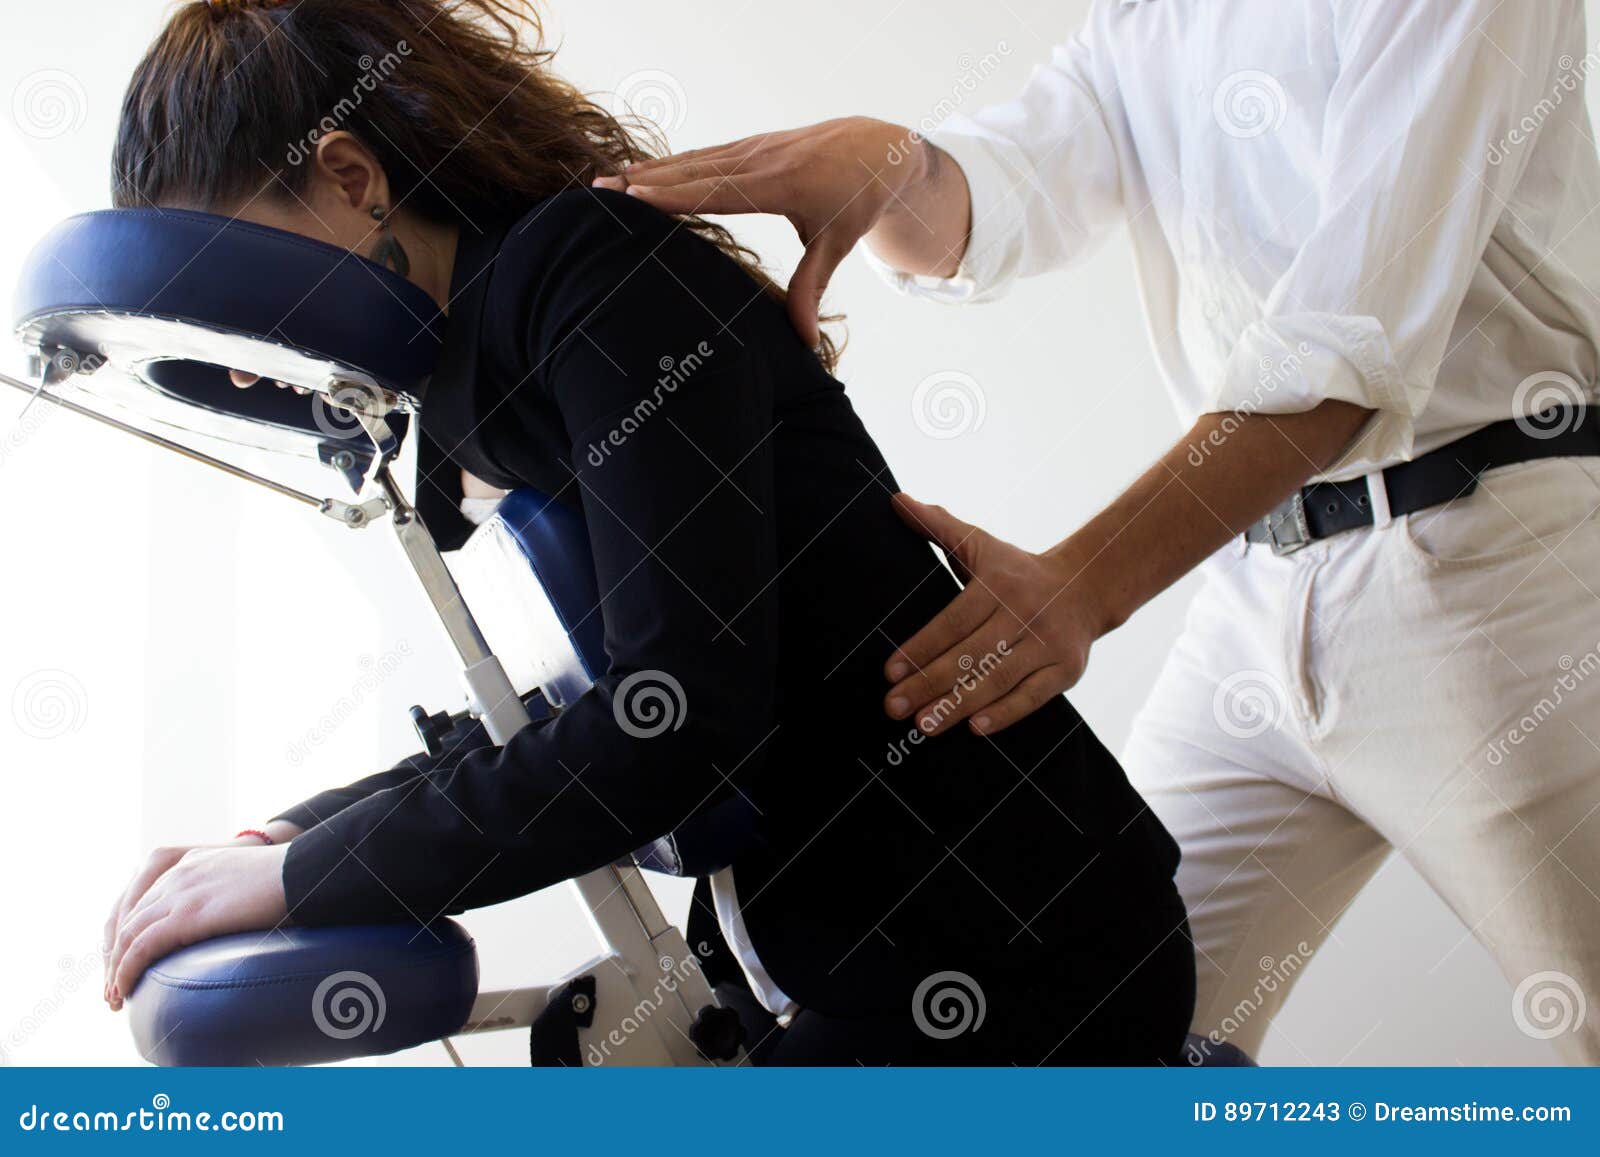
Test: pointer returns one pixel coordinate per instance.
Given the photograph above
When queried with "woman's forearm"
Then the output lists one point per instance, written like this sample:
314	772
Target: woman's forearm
1179	512
925	227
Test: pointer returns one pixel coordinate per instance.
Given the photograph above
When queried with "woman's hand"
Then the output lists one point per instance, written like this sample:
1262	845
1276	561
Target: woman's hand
191	895
1017	636
245	380
834	182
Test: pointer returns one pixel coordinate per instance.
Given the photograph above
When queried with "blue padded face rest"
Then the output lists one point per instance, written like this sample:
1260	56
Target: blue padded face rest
305	995
137	285
555	543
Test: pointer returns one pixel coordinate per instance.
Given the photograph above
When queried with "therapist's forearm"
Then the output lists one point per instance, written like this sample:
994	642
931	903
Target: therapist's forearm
925	227
1178	513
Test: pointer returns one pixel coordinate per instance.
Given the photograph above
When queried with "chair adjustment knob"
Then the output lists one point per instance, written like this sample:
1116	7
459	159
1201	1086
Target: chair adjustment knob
717	1032
431	729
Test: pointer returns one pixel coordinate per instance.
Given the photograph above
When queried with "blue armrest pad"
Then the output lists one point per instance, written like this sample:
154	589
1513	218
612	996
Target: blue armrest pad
299	996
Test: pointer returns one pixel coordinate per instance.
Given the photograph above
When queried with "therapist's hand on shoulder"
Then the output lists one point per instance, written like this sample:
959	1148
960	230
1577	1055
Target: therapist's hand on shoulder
1016	637
834	181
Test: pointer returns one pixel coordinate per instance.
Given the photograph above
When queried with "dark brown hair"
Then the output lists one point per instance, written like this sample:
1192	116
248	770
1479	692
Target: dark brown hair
455	98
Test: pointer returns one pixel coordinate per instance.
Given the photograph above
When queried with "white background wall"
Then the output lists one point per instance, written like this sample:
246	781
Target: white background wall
170	640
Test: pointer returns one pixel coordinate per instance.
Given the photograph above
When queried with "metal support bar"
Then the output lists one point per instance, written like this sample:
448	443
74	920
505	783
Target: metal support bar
347	513
649	950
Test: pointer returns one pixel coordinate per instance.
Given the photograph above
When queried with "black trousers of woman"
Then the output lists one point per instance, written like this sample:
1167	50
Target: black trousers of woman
1113	1002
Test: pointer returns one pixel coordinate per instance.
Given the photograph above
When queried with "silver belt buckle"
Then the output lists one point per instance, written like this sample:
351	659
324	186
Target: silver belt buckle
1287	526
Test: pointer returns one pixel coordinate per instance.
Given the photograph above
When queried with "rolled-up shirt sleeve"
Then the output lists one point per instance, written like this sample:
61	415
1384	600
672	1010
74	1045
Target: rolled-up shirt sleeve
1411	188
1044	180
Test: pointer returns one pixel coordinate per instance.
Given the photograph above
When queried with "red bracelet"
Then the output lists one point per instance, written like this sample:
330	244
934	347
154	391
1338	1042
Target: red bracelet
258	834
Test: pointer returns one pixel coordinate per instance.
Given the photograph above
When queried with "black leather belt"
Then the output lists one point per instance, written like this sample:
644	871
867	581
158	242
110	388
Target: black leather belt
1450	472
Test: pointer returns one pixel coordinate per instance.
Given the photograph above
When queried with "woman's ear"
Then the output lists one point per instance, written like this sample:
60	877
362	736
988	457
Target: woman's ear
345	173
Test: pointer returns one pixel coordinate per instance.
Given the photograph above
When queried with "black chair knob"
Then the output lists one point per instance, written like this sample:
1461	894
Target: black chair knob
717	1033
431	729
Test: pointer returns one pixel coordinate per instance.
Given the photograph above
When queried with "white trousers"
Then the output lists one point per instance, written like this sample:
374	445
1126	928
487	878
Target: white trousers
1431	687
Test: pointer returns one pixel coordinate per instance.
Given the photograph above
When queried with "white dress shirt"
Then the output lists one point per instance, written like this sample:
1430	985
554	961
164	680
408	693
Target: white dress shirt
1390	202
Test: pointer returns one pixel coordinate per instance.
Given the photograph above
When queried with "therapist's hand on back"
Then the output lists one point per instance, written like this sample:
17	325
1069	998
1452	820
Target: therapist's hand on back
1015	638
837	182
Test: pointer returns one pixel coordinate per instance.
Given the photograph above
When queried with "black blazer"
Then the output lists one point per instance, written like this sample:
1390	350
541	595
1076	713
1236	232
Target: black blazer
744	545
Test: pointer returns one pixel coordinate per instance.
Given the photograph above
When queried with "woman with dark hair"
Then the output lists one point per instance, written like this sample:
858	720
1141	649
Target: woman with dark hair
745	546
